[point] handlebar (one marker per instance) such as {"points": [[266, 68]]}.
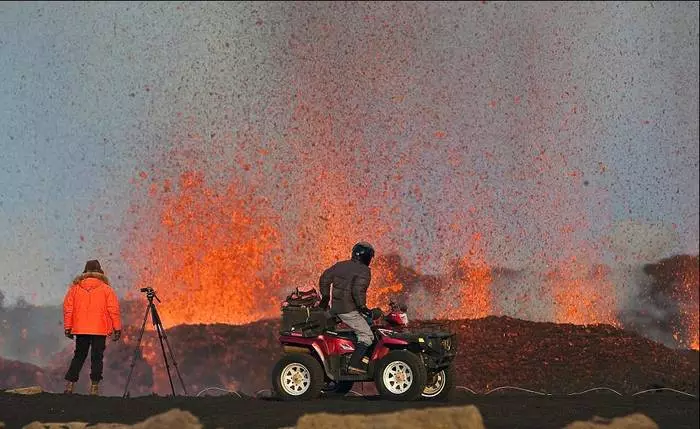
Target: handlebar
{"points": [[394, 306]]}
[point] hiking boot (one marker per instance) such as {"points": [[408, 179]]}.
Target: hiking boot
{"points": [[69, 387], [94, 388], [358, 360]]}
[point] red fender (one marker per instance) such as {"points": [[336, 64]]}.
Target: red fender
{"points": [[381, 349], [314, 343]]}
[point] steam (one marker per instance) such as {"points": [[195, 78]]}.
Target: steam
{"points": [[30, 333], [637, 244], [644, 289]]}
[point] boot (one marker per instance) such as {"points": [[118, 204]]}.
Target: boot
{"points": [[94, 388], [69, 387], [358, 360]]}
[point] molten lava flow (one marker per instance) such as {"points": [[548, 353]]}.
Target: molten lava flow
{"points": [[582, 295], [211, 257], [474, 277], [385, 285], [689, 302]]}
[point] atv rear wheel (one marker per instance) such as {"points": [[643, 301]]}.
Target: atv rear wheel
{"points": [[297, 377], [400, 376], [440, 385]]}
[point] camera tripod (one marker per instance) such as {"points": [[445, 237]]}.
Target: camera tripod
{"points": [[150, 294]]}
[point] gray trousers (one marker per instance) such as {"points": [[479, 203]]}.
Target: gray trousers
{"points": [[358, 324]]}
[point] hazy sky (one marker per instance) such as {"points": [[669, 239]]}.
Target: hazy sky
{"points": [[519, 120]]}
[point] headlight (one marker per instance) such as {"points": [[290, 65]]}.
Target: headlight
{"points": [[447, 344]]}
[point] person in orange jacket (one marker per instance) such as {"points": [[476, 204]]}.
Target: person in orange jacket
{"points": [[90, 313]]}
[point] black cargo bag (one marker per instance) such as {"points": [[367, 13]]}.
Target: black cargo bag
{"points": [[310, 321]]}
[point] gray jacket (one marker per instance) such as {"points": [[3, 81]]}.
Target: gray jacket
{"points": [[350, 280]]}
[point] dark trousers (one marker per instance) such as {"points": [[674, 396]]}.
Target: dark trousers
{"points": [[97, 344]]}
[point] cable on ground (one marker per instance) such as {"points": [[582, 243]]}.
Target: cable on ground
{"points": [[220, 389], [355, 393]]}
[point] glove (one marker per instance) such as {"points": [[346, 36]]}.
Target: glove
{"points": [[67, 333], [116, 335], [377, 313]]}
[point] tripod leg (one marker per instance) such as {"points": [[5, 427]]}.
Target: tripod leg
{"points": [[136, 350], [156, 317], [172, 357], [159, 328]]}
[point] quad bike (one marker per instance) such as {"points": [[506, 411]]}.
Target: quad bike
{"points": [[403, 365]]}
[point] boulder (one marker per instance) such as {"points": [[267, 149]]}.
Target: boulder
{"points": [[633, 421], [174, 418], [31, 390], [467, 417]]}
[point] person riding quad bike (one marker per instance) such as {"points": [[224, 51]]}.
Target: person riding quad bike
{"points": [[350, 280], [322, 355]]}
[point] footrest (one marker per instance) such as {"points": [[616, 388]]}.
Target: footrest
{"points": [[354, 378]]}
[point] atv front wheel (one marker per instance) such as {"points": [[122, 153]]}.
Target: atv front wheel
{"points": [[400, 376], [440, 385], [297, 377]]}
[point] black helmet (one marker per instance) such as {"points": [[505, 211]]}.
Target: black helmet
{"points": [[363, 252]]}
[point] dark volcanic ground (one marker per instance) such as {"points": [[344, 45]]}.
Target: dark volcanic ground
{"points": [[492, 352], [507, 411]]}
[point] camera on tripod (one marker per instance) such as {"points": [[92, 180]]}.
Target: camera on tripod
{"points": [[162, 337], [150, 293]]}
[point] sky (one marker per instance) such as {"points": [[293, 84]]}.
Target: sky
{"points": [[547, 127]]}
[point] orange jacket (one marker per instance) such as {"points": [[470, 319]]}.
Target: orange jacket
{"points": [[91, 306]]}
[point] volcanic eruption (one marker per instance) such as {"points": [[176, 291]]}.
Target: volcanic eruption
{"points": [[485, 159]]}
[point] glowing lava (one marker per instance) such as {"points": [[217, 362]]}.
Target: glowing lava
{"points": [[385, 287], [689, 301], [474, 277], [211, 255], [582, 295]]}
